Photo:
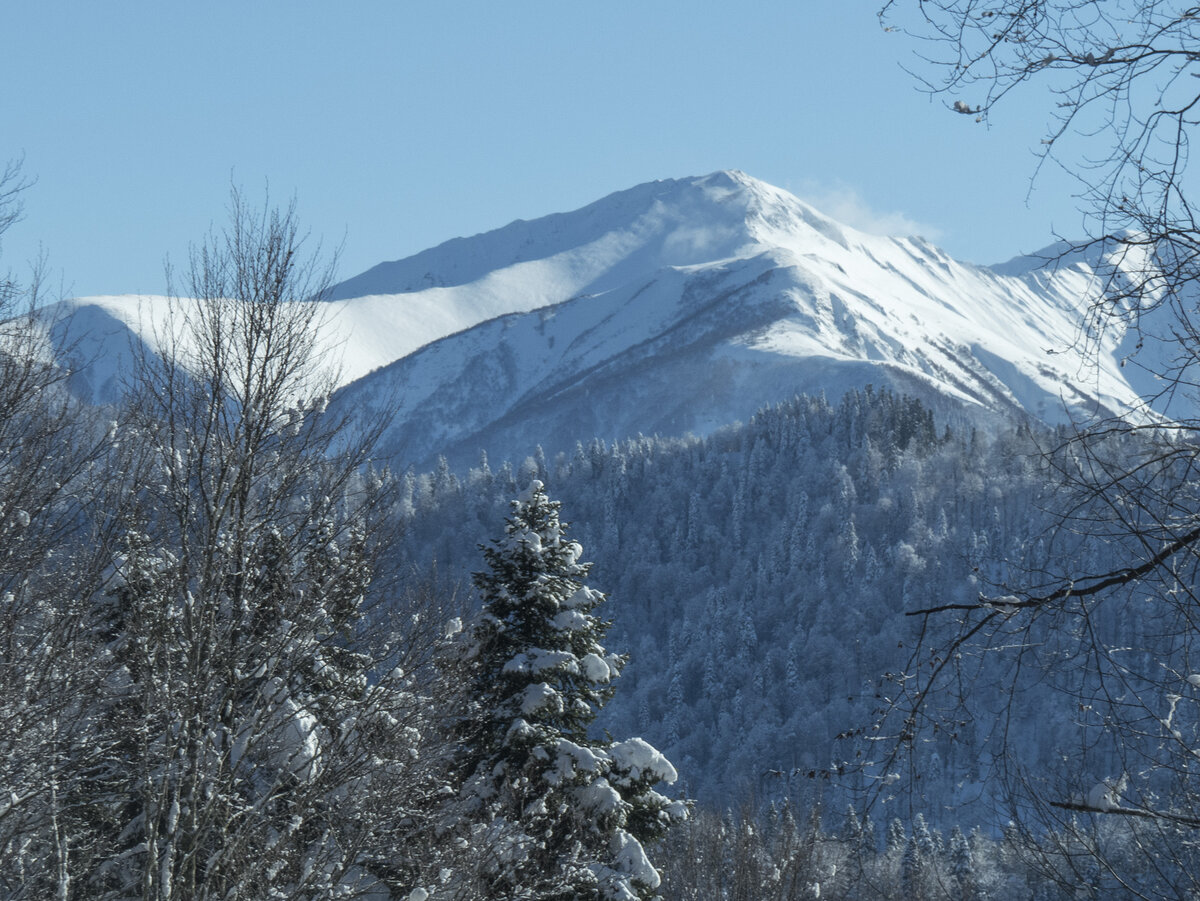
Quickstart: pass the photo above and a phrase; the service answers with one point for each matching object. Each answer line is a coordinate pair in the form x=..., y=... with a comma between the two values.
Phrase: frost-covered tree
x=550, y=811
x=962, y=863
x=703, y=620
x=54, y=472
x=244, y=699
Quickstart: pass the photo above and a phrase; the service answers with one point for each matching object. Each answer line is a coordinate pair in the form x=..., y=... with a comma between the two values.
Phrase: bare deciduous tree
x=1104, y=622
x=257, y=733
x=54, y=461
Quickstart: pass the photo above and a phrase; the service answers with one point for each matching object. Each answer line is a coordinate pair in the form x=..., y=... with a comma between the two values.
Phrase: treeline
x=784, y=852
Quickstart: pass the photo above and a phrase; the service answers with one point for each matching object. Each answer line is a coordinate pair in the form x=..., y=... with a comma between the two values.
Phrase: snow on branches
x=572, y=811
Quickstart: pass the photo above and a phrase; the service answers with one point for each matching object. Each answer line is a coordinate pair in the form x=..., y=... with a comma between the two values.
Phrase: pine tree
x=897, y=838
x=923, y=837
x=552, y=812
x=912, y=871
x=962, y=864
x=852, y=829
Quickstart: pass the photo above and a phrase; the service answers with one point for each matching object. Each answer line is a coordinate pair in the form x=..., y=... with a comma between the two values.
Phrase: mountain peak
x=684, y=304
x=673, y=222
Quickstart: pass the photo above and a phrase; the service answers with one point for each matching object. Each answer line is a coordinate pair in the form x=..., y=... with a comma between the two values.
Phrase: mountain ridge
x=681, y=305
x=820, y=306
x=457, y=262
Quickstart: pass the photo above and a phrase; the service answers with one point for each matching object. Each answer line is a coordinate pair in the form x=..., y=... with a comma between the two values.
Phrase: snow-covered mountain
x=680, y=306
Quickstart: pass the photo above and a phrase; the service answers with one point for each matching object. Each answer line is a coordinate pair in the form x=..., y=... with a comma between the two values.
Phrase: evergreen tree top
x=537, y=643
x=578, y=807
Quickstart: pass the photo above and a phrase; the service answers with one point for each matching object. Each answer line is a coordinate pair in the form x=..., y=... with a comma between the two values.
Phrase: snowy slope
x=684, y=305
x=99, y=338
x=678, y=306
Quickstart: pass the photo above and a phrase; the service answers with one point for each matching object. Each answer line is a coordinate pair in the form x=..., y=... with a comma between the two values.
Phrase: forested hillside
x=760, y=578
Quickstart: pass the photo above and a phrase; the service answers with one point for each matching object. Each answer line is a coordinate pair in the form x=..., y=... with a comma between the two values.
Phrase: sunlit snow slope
x=676, y=306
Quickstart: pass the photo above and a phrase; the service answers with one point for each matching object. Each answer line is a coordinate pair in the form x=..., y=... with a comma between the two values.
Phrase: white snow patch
x=1106, y=794
x=639, y=758
x=569, y=621
x=535, y=487
x=518, y=730
x=537, y=660
x=600, y=797
x=630, y=858
x=595, y=668
x=539, y=696
x=573, y=759
x=630, y=866
x=583, y=598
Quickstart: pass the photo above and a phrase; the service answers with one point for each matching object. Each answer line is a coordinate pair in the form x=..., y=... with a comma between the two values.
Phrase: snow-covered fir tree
x=553, y=812
x=962, y=864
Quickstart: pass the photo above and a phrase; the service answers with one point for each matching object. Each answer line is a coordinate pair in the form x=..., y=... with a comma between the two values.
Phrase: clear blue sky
x=398, y=124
